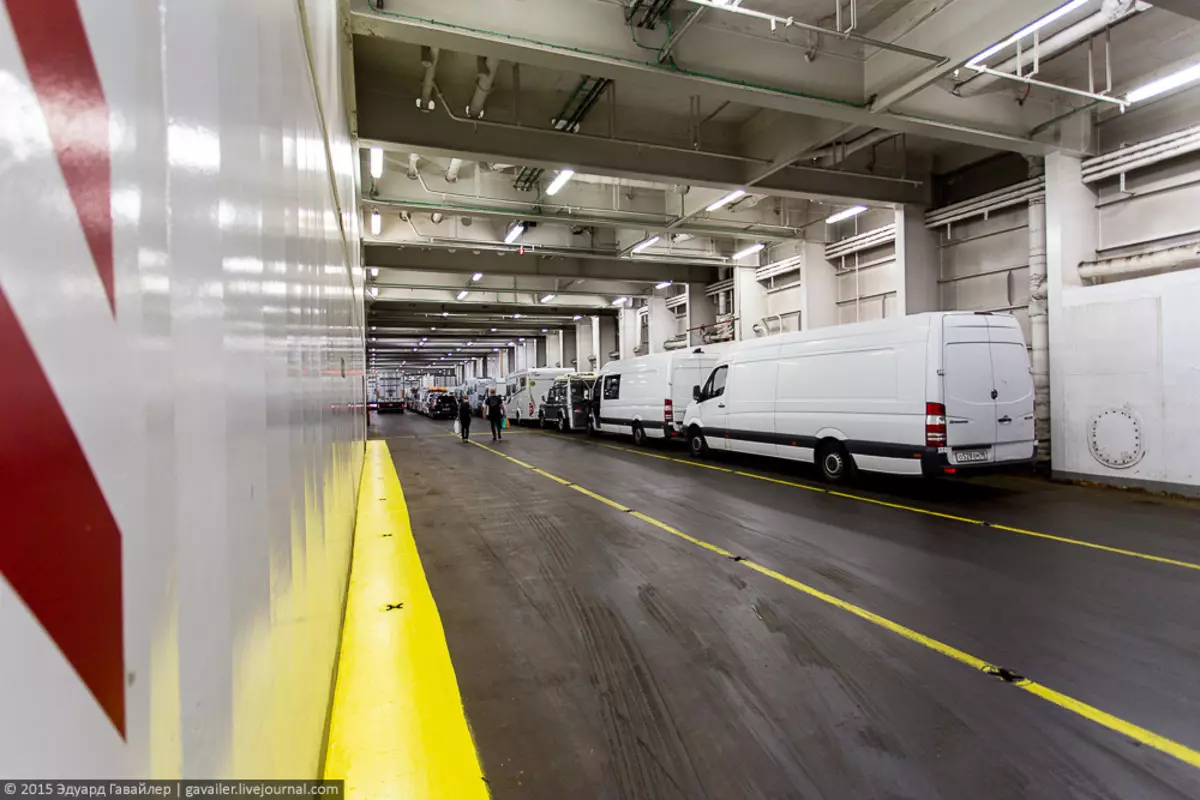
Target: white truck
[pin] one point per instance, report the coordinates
(645, 397)
(925, 394)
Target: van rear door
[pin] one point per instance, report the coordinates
(967, 381)
(1014, 392)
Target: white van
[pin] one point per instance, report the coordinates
(926, 394)
(527, 391)
(639, 396)
(477, 389)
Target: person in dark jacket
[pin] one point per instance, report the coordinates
(464, 417)
(493, 408)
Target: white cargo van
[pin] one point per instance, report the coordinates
(477, 389)
(527, 391)
(639, 396)
(926, 394)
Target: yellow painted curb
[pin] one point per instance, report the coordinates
(397, 728)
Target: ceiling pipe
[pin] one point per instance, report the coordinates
(429, 60)
(484, 78)
(1110, 13)
(414, 161)
(832, 154)
(452, 170)
(1167, 260)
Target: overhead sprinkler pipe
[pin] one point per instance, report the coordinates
(485, 77)
(452, 170)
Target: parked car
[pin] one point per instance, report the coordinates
(527, 392)
(443, 406)
(926, 394)
(568, 402)
(639, 396)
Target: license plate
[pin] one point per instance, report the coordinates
(963, 456)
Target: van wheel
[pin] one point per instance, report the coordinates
(697, 444)
(835, 463)
(639, 435)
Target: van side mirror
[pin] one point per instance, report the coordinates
(696, 392)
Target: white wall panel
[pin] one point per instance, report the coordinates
(1158, 203)
(217, 400)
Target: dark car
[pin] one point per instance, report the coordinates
(567, 401)
(445, 406)
(388, 404)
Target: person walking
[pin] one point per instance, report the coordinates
(464, 417)
(493, 408)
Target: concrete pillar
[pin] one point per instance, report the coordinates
(1072, 231)
(570, 353)
(662, 323)
(605, 338)
(701, 311)
(750, 301)
(918, 260)
(541, 351)
(628, 333)
(585, 345)
(818, 285)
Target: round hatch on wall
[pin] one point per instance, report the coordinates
(1115, 438)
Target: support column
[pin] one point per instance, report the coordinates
(750, 300)
(818, 285)
(570, 352)
(629, 328)
(585, 345)
(1072, 232)
(701, 311)
(919, 261)
(605, 339)
(662, 323)
(541, 347)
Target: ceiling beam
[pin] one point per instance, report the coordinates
(385, 118)
(958, 29)
(414, 307)
(490, 263)
(591, 39)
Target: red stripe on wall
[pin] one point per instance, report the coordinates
(58, 57)
(60, 547)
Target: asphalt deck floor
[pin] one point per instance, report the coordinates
(600, 656)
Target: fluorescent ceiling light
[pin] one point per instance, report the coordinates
(516, 316)
(514, 233)
(374, 272)
(639, 247)
(548, 298)
(727, 199)
(544, 330)
(477, 276)
(560, 181)
(578, 316)
(462, 294)
(374, 290)
(510, 344)
(376, 223)
(493, 330)
(445, 313)
(1036, 25)
(620, 301)
(749, 251)
(852, 211)
(1172, 81)
(376, 162)
(663, 284)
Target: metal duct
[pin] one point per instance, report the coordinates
(485, 76)
(1039, 319)
(1172, 258)
(429, 60)
(1110, 13)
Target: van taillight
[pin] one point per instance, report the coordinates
(935, 425)
(668, 411)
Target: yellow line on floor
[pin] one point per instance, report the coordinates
(928, 512)
(397, 727)
(1103, 718)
